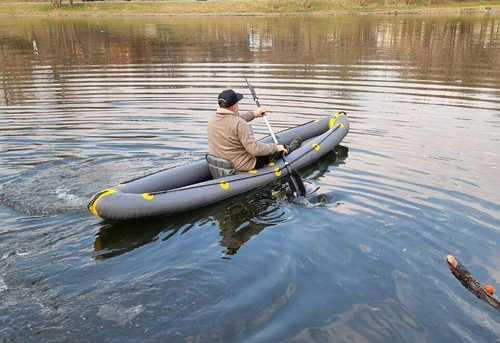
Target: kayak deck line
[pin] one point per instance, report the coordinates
(168, 168)
(277, 170)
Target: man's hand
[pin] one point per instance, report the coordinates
(259, 112)
(283, 149)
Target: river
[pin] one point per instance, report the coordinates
(86, 103)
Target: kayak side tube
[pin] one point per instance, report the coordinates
(189, 187)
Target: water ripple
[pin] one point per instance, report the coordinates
(105, 100)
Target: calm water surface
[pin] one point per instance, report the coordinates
(87, 103)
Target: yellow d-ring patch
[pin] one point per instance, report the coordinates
(277, 171)
(271, 164)
(317, 147)
(332, 122)
(148, 196)
(253, 171)
(104, 193)
(225, 185)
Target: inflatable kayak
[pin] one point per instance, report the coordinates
(191, 186)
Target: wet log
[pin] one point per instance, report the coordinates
(469, 282)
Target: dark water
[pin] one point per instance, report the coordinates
(87, 103)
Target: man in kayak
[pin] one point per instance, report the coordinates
(231, 137)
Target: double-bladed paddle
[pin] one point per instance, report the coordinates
(293, 178)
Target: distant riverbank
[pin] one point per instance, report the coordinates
(245, 7)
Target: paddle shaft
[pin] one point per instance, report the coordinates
(257, 102)
(294, 177)
(270, 130)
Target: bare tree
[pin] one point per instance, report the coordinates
(58, 3)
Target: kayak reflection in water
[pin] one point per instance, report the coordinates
(238, 220)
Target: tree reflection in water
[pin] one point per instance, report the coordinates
(162, 47)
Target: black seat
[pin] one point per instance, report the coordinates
(219, 167)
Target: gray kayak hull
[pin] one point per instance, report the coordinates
(189, 187)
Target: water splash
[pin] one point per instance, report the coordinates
(66, 186)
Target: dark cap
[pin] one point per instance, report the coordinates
(228, 98)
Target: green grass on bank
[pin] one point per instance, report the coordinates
(244, 7)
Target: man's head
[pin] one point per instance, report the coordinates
(229, 99)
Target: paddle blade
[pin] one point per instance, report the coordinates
(300, 183)
(296, 184)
